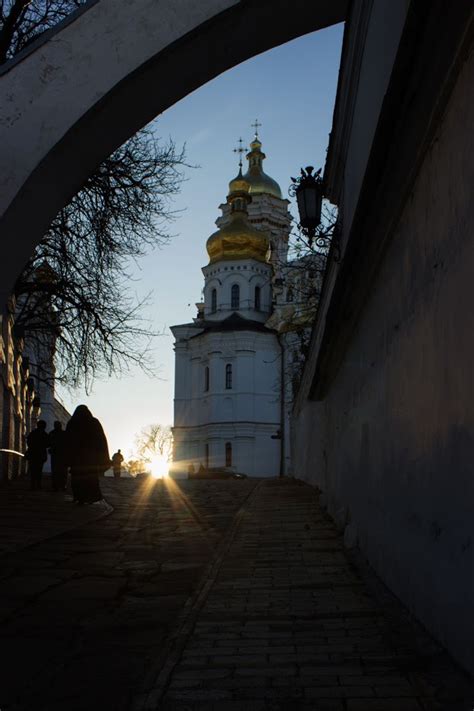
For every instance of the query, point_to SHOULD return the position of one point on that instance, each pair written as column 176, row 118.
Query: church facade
column 230, row 406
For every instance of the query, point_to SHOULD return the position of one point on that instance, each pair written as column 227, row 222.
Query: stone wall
column 392, row 444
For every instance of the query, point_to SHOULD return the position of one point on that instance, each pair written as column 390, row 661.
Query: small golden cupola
column 237, row 239
column 259, row 182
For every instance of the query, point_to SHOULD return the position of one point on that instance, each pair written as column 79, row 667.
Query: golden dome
column 258, row 181
column 237, row 239
column 238, row 184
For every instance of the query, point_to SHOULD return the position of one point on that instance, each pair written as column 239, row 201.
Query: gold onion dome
column 237, row 239
column 238, row 184
column 259, row 182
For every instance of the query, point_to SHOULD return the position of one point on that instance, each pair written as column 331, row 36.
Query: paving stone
column 287, row 619
column 316, row 636
column 383, row 705
column 27, row 586
column 99, row 589
column 86, row 588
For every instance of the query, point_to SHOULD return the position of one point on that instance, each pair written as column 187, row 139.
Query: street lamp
column 308, row 190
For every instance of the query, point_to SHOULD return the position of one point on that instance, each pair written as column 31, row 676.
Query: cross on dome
column 256, row 126
column 240, row 150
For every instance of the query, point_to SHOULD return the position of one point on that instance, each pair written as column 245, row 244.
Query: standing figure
column 37, row 454
column 57, row 449
column 117, row 460
column 87, row 455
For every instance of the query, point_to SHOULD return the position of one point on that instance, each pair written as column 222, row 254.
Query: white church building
column 230, row 404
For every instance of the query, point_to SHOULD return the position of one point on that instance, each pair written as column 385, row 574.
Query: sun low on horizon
column 159, row 466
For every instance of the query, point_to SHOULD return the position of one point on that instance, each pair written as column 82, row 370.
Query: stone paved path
column 204, row 595
column 28, row 517
column 289, row 623
column 85, row 613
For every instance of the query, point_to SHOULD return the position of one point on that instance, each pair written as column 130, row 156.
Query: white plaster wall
column 247, row 273
column 248, row 412
column 392, row 445
column 255, row 359
column 254, row 452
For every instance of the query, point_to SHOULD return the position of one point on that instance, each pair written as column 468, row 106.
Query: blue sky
column 290, row 90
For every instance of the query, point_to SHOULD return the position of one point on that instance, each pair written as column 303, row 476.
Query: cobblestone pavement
column 202, row 596
column 86, row 612
column 289, row 621
column 28, row 517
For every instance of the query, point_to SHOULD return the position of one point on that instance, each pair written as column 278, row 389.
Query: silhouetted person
column 87, row 455
column 117, row 460
column 57, row 449
column 37, row 453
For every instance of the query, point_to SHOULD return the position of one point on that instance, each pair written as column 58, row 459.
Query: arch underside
column 88, row 87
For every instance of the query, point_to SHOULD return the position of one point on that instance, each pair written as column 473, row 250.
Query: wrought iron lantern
column 308, row 190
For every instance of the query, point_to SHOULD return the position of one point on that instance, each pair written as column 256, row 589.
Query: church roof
column 238, row 239
column 234, row 322
column 259, row 182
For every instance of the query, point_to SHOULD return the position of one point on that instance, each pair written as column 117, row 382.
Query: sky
column 291, row 91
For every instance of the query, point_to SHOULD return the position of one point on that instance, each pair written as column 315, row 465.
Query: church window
column 214, row 300
column 289, row 294
column 235, row 296
column 228, row 454
column 228, row 376
column 206, row 378
column 257, row 298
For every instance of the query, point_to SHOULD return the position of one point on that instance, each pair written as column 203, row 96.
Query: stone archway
column 81, row 91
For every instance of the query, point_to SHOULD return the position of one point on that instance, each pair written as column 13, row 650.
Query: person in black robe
column 87, row 455
column 37, row 454
column 57, row 449
column 117, row 460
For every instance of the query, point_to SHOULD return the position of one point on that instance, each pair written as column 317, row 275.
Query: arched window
column 257, row 298
column 206, row 378
column 235, row 296
column 289, row 294
column 214, row 300
column 228, row 376
column 228, row 454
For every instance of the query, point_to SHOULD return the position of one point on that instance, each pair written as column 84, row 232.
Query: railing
column 244, row 305
column 13, row 470
column 12, row 451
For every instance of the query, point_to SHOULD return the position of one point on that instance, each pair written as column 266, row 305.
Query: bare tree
column 299, row 276
column 153, row 440
column 75, row 289
column 298, row 283
column 74, row 297
column 22, row 21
